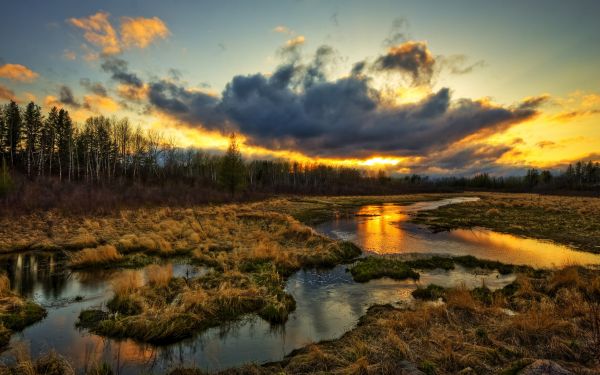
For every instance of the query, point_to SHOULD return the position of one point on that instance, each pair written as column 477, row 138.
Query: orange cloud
column 577, row 105
column 99, row 31
column 7, row 94
column 17, row 72
column 141, row 32
column 52, row 101
column 296, row 41
column 100, row 103
column 132, row 93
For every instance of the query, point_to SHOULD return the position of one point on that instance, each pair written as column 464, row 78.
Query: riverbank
column 554, row 318
column 572, row 221
column 250, row 250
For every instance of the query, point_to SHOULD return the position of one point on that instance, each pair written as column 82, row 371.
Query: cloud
column 576, row 106
column 141, row 32
column 185, row 104
column 99, row 31
column 459, row 64
column 137, row 32
column 347, row 117
column 65, row 96
column 95, row 87
column 532, row 102
column 17, row 72
column 101, row 104
column 132, row 93
column 472, row 157
column 398, row 33
column 412, row 57
column 7, row 94
column 118, row 68
column 296, row 41
column 283, row 30
column 546, row 144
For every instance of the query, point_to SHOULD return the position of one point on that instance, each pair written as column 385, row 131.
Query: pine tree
column 13, row 126
column 232, row 171
column 32, row 127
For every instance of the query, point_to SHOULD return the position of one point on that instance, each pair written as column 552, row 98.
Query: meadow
column 250, row 249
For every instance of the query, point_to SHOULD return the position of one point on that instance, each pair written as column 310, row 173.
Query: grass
column 374, row 267
column 100, row 255
column 430, row 293
column 567, row 220
column 16, row 313
column 166, row 232
column 467, row 334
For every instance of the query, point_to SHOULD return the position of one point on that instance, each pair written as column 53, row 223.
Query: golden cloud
column 296, row 41
column 141, row 32
column 17, row 72
column 132, row 93
column 100, row 103
column 99, row 31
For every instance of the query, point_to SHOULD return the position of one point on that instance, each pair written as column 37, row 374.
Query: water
column 329, row 303
column 384, row 229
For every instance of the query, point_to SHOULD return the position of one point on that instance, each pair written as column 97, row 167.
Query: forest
column 46, row 158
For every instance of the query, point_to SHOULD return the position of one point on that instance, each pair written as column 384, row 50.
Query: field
column 252, row 248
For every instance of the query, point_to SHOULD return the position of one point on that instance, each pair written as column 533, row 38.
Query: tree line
column 108, row 151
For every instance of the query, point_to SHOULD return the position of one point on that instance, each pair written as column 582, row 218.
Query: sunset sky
column 429, row 87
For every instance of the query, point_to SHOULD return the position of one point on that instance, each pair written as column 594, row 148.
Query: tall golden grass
column 97, row 255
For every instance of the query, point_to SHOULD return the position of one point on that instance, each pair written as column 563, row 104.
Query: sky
column 428, row 87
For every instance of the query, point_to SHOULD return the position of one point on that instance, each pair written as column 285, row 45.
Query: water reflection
column 329, row 303
column 384, row 229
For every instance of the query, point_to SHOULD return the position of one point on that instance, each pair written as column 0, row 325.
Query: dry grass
column 4, row 285
column 127, row 283
column 465, row 335
column 167, row 231
column 104, row 254
column 159, row 276
column 568, row 220
column 252, row 252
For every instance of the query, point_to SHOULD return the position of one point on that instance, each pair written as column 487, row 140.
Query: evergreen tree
column 232, row 171
column 13, row 126
column 32, row 127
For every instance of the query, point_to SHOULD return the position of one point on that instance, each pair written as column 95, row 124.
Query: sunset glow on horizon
column 461, row 88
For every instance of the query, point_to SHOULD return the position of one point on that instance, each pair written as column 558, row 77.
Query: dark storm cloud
column 189, row 106
column 315, row 71
column 298, row 108
column 341, row 118
column 471, row 157
column 94, row 87
column 118, row 68
column 65, row 96
column 413, row 58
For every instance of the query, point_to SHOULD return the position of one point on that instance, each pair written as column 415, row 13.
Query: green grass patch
column 23, row 316
column 431, row 293
column 371, row 268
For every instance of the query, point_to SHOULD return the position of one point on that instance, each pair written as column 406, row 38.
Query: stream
column 329, row 302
